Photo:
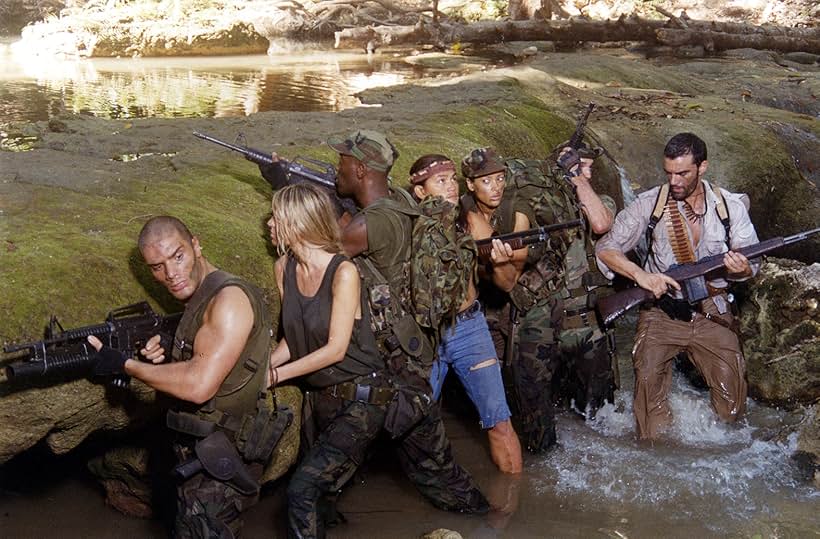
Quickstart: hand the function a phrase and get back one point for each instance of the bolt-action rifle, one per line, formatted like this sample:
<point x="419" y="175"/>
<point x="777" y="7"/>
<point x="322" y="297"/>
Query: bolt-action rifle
<point x="67" y="352"/>
<point x="283" y="172"/>
<point x="691" y="277"/>
<point x="517" y="240"/>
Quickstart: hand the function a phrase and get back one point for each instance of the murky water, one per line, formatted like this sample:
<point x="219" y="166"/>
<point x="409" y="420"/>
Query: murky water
<point x="37" y="88"/>
<point x="705" y="480"/>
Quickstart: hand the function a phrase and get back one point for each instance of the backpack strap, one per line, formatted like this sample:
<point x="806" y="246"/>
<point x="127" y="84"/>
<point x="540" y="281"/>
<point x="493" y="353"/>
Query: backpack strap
<point x="657" y="213"/>
<point x="723" y="214"/>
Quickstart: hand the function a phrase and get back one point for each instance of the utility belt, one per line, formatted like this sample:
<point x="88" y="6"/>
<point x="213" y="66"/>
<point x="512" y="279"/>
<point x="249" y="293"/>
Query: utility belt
<point x="469" y="312"/>
<point x="358" y="392"/>
<point x="681" y="309"/>
<point x="218" y="442"/>
<point x="539" y="284"/>
<point x="577" y="318"/>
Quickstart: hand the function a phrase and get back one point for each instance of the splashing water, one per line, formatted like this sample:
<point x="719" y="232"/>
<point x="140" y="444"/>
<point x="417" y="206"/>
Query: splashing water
<point x="702" y="469"/>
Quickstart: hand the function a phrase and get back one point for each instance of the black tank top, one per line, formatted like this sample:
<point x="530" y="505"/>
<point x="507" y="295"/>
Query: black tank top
<point x="306" y="324"/>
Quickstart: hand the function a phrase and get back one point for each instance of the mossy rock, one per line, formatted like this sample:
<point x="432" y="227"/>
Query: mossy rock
<point x="781" y="326"/>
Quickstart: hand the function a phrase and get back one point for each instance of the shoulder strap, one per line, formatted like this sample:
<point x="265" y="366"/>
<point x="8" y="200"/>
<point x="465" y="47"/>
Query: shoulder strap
<point x="723" y="214"/>
<point x="657" y="213"/>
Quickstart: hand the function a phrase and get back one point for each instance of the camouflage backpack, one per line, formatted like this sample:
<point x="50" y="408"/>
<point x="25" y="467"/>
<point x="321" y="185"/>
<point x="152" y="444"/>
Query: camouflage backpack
<point x="441" y="263"/>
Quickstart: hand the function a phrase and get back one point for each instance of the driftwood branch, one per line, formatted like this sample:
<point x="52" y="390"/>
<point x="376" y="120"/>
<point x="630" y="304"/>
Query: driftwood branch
<point x="712" y="36"/>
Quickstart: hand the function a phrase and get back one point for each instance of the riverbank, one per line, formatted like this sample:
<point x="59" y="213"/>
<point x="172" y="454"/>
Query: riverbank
<point x="145" y="28"/>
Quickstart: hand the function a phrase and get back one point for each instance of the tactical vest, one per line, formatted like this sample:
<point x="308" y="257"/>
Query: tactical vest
<point x="239" y="392"/>
<point x="545" y="199"/>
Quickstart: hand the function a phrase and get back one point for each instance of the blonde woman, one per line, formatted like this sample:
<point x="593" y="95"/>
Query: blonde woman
<point x="329" y="344"/>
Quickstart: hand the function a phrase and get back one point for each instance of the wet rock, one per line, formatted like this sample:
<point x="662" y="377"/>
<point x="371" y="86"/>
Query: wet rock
<point x="808" y="447"/>
<point x="123" y="472"/>
<point x="442" y="533"/>
<point x="781" y="328"/>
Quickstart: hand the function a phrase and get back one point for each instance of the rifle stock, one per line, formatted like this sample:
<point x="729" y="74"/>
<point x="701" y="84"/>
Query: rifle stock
<point x="610" y="308"/>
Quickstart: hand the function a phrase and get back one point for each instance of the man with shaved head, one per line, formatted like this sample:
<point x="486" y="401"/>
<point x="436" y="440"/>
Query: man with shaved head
<point x="216" y="372"/>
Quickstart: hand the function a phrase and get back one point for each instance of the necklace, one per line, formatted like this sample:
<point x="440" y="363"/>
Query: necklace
<point x="691" y="214"/>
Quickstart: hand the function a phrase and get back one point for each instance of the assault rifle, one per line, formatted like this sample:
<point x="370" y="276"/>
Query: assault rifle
<point x="569" y="159"/>
<point x="691" y="277"/>
<point x="283" y="172"/>
<point x="517" y="240"/>
<point x="67" y="352"/>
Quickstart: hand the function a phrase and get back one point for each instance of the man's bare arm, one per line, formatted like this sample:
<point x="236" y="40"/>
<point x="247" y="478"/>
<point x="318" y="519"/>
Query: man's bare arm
<point x="226" y="326"/>
<point x="598" y="215"/>
<point x="657" y="283"/>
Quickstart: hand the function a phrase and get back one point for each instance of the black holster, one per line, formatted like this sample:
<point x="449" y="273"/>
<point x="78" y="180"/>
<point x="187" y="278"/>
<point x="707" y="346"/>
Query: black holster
<point x="217" y="456"/>
<point x="676" y="309"/>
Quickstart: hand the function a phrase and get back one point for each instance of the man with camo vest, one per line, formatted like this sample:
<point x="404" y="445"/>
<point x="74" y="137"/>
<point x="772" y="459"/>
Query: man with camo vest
<point x="378" y="240"/>
<point x="552" y="339"/>
<point x="216" y="373"/>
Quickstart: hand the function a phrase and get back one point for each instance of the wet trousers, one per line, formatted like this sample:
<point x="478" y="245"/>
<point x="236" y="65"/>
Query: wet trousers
<point x="548" y="364"/>
<point x="586" y="377"/>
<point x="345" y="431"/>
<point x="714" y="350"/>
<point x="426" y="456"/>
<point x="208" y="508"/>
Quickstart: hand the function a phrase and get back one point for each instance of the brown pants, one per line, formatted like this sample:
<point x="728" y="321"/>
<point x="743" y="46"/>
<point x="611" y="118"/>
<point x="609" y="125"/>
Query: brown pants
<point x="713" y="348"/>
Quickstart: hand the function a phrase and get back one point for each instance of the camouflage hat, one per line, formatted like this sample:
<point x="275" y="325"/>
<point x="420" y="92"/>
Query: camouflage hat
<point x="370" y="147"/>
<point x="481" y="162"/>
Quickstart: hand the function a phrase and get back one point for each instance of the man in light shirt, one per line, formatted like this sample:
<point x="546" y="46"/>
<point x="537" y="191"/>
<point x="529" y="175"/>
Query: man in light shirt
<point x="684" y="221"/>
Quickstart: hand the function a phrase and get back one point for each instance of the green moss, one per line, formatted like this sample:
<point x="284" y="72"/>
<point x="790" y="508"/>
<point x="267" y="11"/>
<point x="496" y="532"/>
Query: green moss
<point x="74" y="253"/>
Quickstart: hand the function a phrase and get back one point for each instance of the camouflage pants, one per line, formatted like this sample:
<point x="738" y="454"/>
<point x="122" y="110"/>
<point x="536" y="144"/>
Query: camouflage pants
<point x="210" y="509"/>
<point x="534" y="368"/>
<point x="586" y="377"/>
<point x="546" y="366"/>
<point x="345" y="430"/>
<point x="426" y="456"/>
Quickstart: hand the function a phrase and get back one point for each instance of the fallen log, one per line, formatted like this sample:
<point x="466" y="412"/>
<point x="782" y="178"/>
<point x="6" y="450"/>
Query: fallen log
<point x="624" y="29"/>
<point x="651" y="31"/>
<point x="720" y="41"/>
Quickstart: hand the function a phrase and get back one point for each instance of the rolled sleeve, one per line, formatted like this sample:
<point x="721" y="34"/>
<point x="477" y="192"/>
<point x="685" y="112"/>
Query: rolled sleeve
<point x="627" y="230"/>
<point x="743" y="231"/>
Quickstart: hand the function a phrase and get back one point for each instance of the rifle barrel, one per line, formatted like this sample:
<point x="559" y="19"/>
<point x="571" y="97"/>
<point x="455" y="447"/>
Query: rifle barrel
<point x="256" y="156"/>
<point x="799" y="236"/>
<point x="532" y="232"/>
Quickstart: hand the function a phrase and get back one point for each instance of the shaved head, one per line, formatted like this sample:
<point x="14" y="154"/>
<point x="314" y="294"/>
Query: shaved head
<point x="160" y="227"/>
